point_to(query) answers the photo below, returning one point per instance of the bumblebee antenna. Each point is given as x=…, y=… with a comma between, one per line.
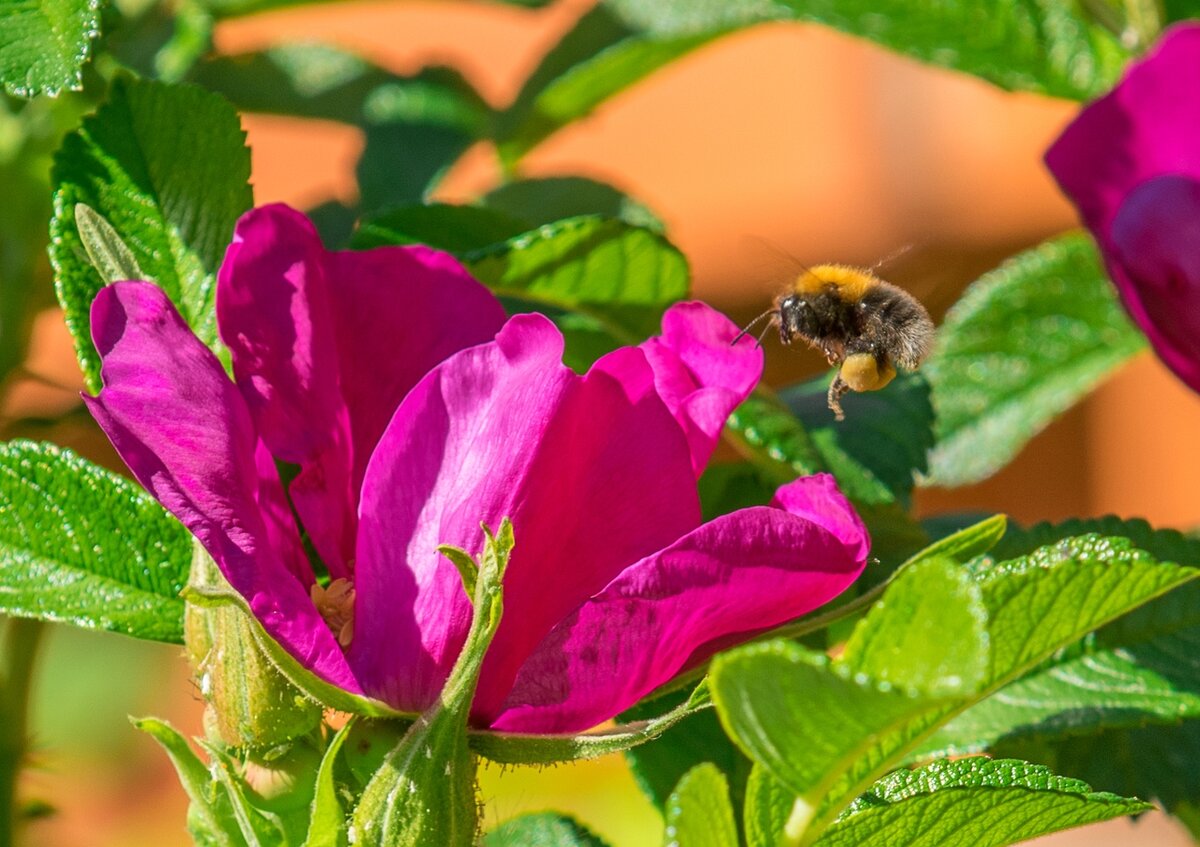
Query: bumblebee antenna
x=752, y=324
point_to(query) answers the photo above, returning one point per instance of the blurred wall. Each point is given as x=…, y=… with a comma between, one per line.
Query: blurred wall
x=781, y=141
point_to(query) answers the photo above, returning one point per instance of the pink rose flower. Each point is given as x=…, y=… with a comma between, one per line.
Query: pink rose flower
x=413, y=411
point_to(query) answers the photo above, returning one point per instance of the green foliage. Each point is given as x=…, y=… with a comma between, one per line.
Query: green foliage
x=81, y=545
x=460, y=230
x=971, y=803
x=696, y=739
x=827, y=729
x=698, y=813
x=541, y=830
x=887, y=432
x=327, y=819
x=166, y=166
x=1048, y=48
x=1024, y=344
x=1142, y=668
x=44, y=43
x=550, y=199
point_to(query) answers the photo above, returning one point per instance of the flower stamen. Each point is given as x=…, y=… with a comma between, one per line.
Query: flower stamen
x=335, y=603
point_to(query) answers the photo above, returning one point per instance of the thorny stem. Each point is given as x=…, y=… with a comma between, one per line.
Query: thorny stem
x=17, y=655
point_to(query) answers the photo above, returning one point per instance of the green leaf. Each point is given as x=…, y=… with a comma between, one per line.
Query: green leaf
x=84, y=546
x=887, y=432
x=1046, y=600
x=972, y=803
x=827, y=730
x=209, y=812
x=167, y=167
x=327, y=819
x=1155, y=762
x=768, y=807
x=696, y=739
x=550, y=199
x=1048, y=48
x=1023, y=345
x=1143, y=667
x=927, y=635
x=44, y=43
x=455, y=229
x=698, y=813
x=545, y=829
x=622, y=276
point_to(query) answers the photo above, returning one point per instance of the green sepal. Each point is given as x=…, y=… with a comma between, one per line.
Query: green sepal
x=424, y=792
x=250, y=703
x=109, y=255
x=327, y=819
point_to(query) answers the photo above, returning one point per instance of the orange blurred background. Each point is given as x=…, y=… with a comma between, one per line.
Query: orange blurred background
x=784, y=139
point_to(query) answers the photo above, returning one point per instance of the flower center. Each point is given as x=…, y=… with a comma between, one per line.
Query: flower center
x=335, y=603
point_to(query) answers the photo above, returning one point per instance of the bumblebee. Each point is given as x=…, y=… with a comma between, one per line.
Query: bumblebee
x=865, y=325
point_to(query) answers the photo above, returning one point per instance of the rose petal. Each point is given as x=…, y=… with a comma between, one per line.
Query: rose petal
x=1145, y=127
x=734, y=576
x=591, y=479
x=326, y=344
x=183, y=429
x=699, y=373
x=1155, y=263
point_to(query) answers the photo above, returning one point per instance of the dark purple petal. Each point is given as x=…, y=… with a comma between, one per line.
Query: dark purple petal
x=1155, y=262
x=699, y=373
x=593, y=475
x=326, y=344
x=183, y=429
x=733, y=577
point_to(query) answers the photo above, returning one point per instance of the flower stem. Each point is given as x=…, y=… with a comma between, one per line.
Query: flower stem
x=17, y=654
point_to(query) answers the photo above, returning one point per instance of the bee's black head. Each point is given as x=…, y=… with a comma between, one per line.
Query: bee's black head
x=796, y=317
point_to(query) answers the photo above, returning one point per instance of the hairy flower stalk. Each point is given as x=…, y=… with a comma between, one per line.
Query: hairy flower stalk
x=414, y=411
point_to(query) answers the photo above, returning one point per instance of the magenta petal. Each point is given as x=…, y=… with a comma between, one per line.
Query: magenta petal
x=183, y=429
x=1149, y=125
x=591, y=477
x=737, y=575
x=326, y=344
x=1155, y=262
x=699, y=373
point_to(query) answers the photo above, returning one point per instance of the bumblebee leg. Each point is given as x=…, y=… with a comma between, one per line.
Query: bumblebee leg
x=837, y=389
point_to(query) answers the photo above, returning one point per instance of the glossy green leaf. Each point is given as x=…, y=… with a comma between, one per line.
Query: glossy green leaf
x=455, y=229
x=1053, y=49
x=1023, y=345
x=1143, y=667
x=972, y=803
x=622, y=276
x=1153, y=762
x=768, y=806
x=545, y=829
x=550, y=199
x=81, y=545
x=166, y=166
x=887, y=432
x=826, y=732
x=1046, y=600
x=698, y=813
x=927, y=635
x=44, y=43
